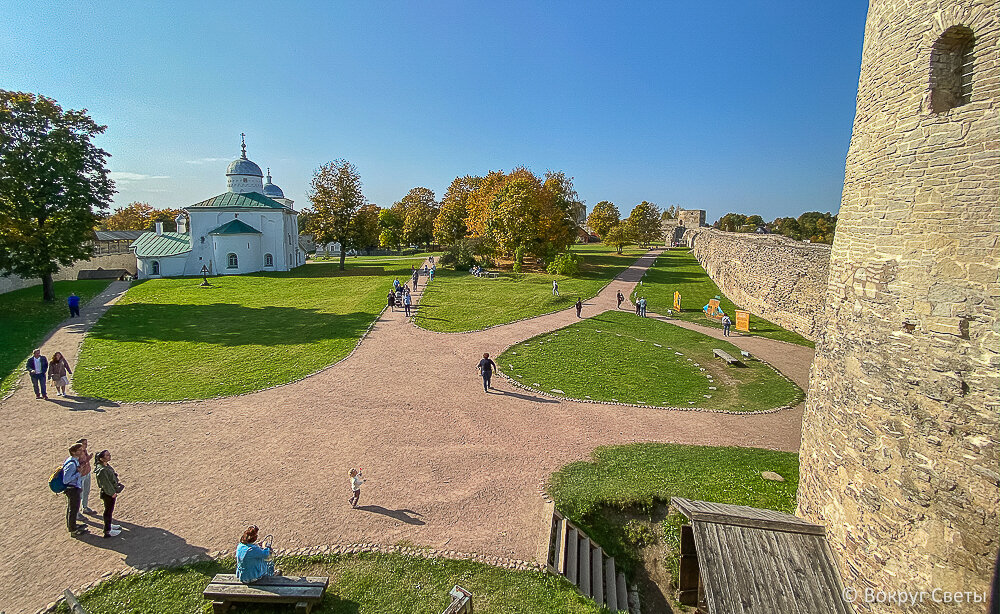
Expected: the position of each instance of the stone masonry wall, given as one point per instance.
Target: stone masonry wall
(901, 431)
(774, 277)
(116, 261)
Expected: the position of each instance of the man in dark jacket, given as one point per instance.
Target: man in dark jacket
(37, 367)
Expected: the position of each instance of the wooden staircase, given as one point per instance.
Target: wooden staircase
(580, 560)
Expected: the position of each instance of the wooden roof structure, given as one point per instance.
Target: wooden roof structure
(744, 560)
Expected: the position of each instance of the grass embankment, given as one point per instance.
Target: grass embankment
(26, 319)
(170, 339)
(639, 360)
(639, 478)
(462, 302)
(678, 270)
(359, 584)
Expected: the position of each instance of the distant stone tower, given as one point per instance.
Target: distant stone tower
(900, 435)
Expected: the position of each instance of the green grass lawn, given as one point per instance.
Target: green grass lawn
(170, 339)
(678, 270)
(359, 584)
(640, 360)
(638, 477)
(457, 301)
(25, 320)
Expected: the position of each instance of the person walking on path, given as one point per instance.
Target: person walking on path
(407, 303)
(390, 301)
(107, 481)
(399, 295)
(621, 298)
(430, 277)
(555, 288)
(37, 367)
(71, 480)
(486, 367)
(86, 468)
(74, 304)
(638, 306)
(726, 323)
(579, 307)
(58, 372)
(356, 482)
(642, 307)
(416, 278)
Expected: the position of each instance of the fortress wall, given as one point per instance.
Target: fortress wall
(899, 456)
(774, 277)
(116, 261)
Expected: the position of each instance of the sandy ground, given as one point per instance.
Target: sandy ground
(447, 464)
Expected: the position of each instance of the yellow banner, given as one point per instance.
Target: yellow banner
(713, 311)
(677, 301)
(743, 320)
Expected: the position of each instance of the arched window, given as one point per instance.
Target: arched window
(951, 69)
(268, 260)
(233, 262)
(156, 267)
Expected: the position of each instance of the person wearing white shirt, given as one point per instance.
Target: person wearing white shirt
(356, 482)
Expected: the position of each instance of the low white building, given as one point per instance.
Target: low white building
(251, 227)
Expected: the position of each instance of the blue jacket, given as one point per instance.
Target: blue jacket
(251, 563)
(71, 472)
(30, 365)
(73, 301)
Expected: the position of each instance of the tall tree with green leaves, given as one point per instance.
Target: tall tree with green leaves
(336, 197)
(644, 223)
(449, 225)
(618, 236)
(391, 228)
(366, 227)
(54, 186)
(603, 218)
(418, 209)
(133, 216)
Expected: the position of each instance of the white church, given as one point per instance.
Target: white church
(251, 227)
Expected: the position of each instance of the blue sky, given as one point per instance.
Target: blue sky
(727, 106)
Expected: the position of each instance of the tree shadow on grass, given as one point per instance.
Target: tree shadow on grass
(227, 324)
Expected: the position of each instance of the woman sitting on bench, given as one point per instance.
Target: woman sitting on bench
(252, 561)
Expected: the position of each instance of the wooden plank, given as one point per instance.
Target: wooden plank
(597, 574)
(584, 572)
(687, 582)
(715, 576)
(756, 574)
(610, 588)
(74, 605)
(622, 591)
(791, 564)
(829, 563)
(282, 594)
(226, 578)
(758, 523)
(561, 537)
(572, 562)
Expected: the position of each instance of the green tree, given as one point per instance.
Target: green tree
(644, 223)
(391, 225)
(787, 226)
(618, 236)
(304, 217)
(449, 225)
(418, 209)
(603, 217)
(53, 186)
(754, 222)
(731, 222)
(366, 227)
(336, 197)
(818, 227)
(560, 215)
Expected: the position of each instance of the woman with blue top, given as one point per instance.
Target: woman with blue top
(252, 561)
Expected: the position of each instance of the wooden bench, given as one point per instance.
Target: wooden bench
(304, 592)
(726, 356)
(492, 275)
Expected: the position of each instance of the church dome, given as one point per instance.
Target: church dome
(271, 190)
(243, 175)
(242, 166)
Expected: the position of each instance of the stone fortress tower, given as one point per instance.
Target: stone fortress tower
(901, 430)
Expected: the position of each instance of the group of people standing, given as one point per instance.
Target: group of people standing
(399, 296)
(77, 474)
(55, 369)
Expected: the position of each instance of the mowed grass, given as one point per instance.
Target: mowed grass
(367, 583)
(461, 302)
(640, 477)
(170, 339)
(678, 270)
(26, 319)
(641, 360)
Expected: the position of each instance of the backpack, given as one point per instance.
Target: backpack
(56, 481)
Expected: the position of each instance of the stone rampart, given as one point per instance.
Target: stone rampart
(774, 277)
(116, 261)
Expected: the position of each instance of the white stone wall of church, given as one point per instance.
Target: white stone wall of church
(247, 249)
(241, 184)
(170, 266)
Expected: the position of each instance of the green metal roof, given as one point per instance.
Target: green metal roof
(251, 200)
(151, 244)
(235, 227)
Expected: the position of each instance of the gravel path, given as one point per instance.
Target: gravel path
(448, 466)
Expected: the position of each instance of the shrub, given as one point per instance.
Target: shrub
(461, 254)
(638, 534)
(519, 259)
(564, 264)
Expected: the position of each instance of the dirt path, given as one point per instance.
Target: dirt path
(447, 464)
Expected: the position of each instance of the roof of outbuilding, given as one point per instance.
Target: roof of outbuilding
(117, 235)
(235, 227)
(151, 245)
(227, 200)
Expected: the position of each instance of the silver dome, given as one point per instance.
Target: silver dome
(273, 191)
(242, 166)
